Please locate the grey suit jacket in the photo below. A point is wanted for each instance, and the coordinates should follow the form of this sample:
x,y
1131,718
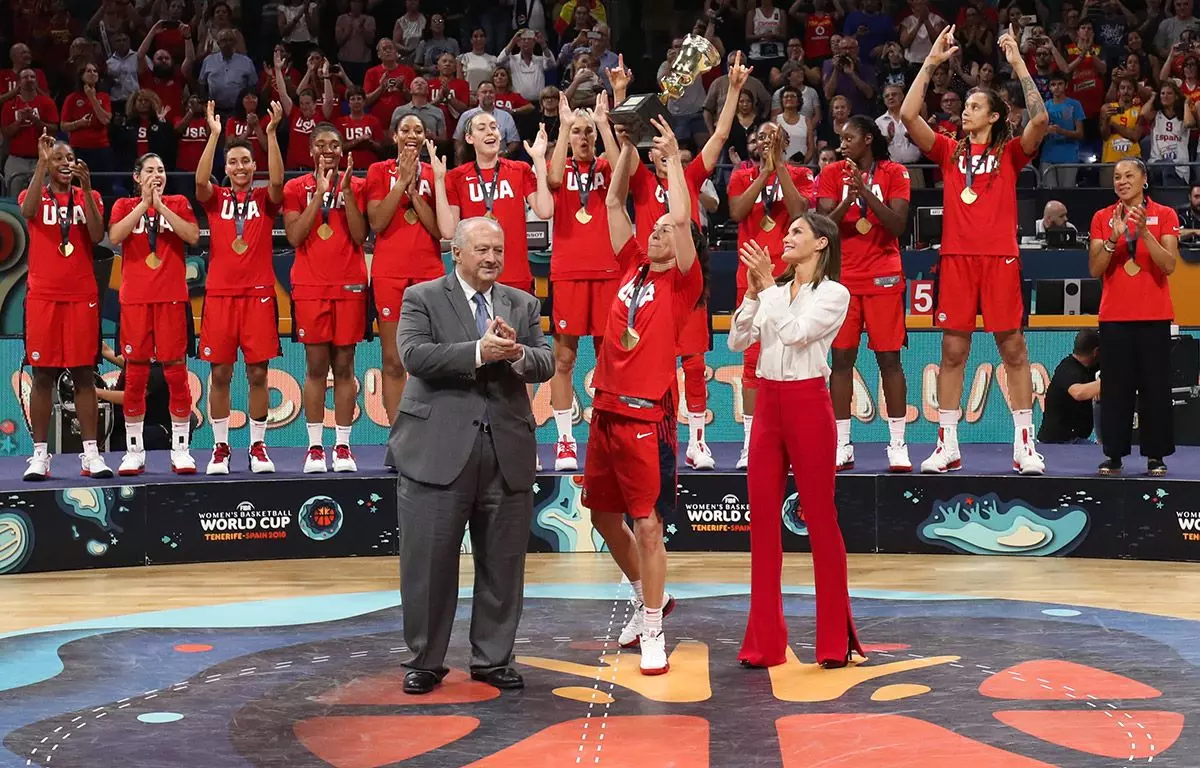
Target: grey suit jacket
x,y
446,396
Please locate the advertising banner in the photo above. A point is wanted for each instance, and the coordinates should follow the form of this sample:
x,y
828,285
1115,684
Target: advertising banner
x,y
72,529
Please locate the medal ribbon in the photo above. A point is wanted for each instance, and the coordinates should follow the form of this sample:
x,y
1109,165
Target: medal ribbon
x,y
326,204
638,288
585,188
64,219
666,197
862,203
489,193
768,195
151,225
1131,238
971,167
239,215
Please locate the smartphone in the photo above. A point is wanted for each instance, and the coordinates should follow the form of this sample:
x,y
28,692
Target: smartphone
x,y
171,24
1029,20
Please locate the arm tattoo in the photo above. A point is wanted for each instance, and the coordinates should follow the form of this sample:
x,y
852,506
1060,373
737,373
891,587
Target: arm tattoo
x,y
1033,98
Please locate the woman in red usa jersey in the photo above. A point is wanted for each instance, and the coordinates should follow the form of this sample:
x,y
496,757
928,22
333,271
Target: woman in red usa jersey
x,y
631,462
400,200
62,305
324,215
763,203
583,267
979,266
152,230
1134,248
795,318
239,303
867,195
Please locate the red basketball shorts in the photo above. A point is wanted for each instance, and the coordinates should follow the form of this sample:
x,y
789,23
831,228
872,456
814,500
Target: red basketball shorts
x,y
970,285
881,315
230,323
62,334
340,322
581,307
389,296
154,331
695,338
630,466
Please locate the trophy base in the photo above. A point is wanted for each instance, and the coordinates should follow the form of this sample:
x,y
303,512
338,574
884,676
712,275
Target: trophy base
x,y
635,113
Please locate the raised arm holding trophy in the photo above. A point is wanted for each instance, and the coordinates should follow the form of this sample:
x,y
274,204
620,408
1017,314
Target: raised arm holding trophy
x,y
696,56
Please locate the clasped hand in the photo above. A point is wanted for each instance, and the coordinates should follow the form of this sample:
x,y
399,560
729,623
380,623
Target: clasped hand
x,y
499,343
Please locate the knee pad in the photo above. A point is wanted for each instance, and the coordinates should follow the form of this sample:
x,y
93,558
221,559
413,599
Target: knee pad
x,y
179,395
137,378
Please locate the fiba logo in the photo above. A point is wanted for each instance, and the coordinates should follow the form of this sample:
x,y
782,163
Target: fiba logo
x,y
729,498
320,518
245,506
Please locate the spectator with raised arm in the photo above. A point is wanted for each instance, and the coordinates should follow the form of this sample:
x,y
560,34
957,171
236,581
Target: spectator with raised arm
x,y
528,60
160,75
220,18
1172,29
23,119
387,83
355,35
918,30
299,26
847,75
719,88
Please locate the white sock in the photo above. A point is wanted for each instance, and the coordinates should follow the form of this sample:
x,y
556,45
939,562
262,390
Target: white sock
x,y
747,423
896,430
343,436
843,431
948,421
653,617
637,590
1023,418
41,450
180,435
258,431
562,420
90,449
696,427
315,433
221,430
133,436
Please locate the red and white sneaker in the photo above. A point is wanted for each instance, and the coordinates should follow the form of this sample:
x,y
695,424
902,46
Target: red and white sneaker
x,y
897,455
845,457
567,459
260,462
219,463
314,461
654,654
182,462
1026,460
93,466
39,467
944,458
631,633
132,463
699,456
343,459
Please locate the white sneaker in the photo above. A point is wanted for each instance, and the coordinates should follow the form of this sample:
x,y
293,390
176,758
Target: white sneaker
x,y
314,461
38,469
845,457
567,459
538,459
743,458
631,634
343,459
1026,460
94,467
654,654
219,463
132,463
260,462
699,456
944,459
182,462
897,455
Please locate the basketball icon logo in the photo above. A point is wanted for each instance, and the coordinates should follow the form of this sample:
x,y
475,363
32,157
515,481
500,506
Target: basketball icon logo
x,y
320,518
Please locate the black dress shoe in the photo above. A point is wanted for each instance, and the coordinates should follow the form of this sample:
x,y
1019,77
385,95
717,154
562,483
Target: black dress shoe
x,y
504,678
1110,467
1156,468
418,681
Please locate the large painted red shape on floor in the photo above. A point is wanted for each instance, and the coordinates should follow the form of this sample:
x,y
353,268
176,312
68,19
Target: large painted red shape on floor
x,y
651,741
373,741
1052,680
1119,733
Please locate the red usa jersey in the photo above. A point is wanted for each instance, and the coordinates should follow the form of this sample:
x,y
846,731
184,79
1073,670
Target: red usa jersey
x,y
300,130
251,273
141,284
987,227
193,137
583,251
511,101
646,372
387,102
459,89
238,128
1145,295
750,228
650,197
516,182
869,261
324,268
355,129
52,276
405,249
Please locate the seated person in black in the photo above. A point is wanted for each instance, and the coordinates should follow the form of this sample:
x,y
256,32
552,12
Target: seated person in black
x,y
158,414
1068,415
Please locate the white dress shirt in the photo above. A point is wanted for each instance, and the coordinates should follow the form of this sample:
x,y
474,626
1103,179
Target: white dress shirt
x,y
470,292
795,335
528,78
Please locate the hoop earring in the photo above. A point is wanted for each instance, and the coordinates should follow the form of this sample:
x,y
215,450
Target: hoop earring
x,y
1145,185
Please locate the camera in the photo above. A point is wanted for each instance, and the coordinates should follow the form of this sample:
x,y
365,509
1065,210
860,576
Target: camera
x,y
171,24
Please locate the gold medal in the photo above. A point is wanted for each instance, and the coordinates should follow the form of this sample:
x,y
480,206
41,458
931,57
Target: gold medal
x,y
968,195
410,216
324,231
239,246
1132,268
582,216
767,223
492,216
153,261
630,338
66,249
863,226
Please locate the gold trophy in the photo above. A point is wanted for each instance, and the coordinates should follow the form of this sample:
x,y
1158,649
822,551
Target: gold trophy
x,y
695,57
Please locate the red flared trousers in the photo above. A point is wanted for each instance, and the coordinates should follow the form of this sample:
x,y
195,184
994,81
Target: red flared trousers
x,y
794,427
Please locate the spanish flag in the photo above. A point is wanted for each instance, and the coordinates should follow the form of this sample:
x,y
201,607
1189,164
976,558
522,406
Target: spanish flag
x,y
566,17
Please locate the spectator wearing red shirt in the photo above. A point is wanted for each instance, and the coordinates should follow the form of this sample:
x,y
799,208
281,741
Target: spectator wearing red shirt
x,y
386,84
1082,62
820,25
302,118
449,91
86,114
161,76
362,133
247,124
10,79
268,85
1134,248
170,36
22,120
506,98
320,79
191,131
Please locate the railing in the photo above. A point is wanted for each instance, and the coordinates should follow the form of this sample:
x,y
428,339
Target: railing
x,y
1080,175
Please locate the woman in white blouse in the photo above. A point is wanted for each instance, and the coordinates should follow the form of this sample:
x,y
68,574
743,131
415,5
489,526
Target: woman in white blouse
x,y
795,318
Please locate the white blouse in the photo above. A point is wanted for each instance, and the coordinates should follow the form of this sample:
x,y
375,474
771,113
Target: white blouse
x,y
795,336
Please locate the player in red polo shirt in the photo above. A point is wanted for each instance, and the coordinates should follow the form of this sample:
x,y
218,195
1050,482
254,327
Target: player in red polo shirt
x,y
867,195
631,462
400,209
584,273
979,267
386,84
239,302
325,219
763,203
151,229
62,315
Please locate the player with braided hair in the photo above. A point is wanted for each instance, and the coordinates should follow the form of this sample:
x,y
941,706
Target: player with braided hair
x,y
979,267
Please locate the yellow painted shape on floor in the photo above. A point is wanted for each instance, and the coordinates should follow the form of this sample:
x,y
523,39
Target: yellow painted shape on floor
x,y
899,691
793,681
584,695
686,682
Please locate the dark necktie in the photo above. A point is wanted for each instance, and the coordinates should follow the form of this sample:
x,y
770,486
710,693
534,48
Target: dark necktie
x,y
481,314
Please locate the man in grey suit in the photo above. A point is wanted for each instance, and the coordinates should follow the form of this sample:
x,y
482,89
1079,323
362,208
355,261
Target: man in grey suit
x,y
465,448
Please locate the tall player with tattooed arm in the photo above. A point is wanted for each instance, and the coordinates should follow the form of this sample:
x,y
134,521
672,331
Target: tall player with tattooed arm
x,y
979,267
